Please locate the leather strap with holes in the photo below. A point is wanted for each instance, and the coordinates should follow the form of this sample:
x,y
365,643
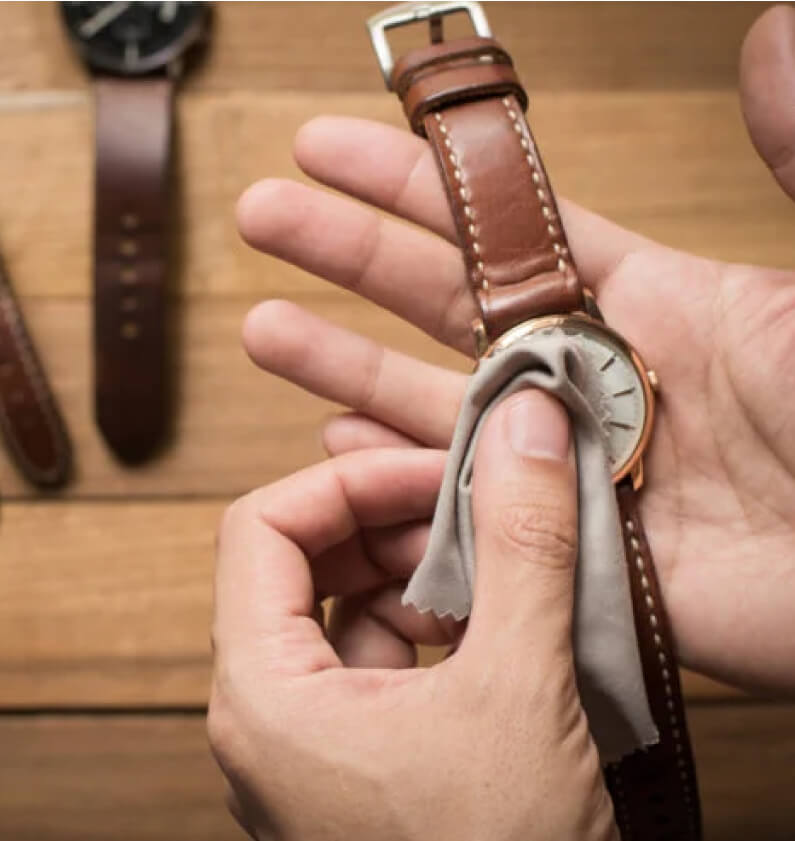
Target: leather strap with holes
x,y
464,96
132,214
29,417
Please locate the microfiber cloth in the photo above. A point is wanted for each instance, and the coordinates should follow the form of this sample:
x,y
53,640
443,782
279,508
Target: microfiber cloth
x,y
607,659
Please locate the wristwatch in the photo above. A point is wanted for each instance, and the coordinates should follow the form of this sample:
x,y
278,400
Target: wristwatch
x,y
136,52
29,417
464,96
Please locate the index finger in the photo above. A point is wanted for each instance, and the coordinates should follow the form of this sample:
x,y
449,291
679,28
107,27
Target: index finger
x,y
396,171
264,593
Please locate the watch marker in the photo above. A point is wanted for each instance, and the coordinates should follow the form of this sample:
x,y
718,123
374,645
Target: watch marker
x,y
608,363
621,425
625,391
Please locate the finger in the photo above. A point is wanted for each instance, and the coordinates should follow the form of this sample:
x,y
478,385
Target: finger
x,y
352,431
525,518
264,596
419,399
395,170
374,630
767,91
370,559
355,247
235,808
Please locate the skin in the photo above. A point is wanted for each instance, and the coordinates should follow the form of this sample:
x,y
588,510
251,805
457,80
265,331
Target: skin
x,y
312,750
371,748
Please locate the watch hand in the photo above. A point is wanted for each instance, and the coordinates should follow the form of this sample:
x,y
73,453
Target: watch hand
x,y
89,28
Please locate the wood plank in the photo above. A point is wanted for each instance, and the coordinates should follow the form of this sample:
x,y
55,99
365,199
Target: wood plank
x,y
150,778
236,427
104,604
145,778
109,604
324,46
745,755
675,166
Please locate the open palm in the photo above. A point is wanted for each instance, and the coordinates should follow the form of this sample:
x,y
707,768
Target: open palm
x,y
719,499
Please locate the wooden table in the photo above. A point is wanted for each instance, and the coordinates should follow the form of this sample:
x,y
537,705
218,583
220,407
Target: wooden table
x,y
105,589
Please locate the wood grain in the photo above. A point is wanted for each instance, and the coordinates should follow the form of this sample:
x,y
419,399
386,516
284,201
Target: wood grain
x,y
105,592
324,46
236,427
677,167
109,604
150,778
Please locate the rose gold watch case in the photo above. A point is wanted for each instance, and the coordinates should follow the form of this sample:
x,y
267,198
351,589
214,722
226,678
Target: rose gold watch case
x,y
632,466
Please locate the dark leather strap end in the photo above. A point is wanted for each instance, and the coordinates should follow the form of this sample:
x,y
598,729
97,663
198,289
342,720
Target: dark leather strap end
x,y
132,216
451,73
29,418
655,791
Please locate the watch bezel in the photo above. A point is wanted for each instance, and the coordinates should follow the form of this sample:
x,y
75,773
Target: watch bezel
x,y
633,465
159,60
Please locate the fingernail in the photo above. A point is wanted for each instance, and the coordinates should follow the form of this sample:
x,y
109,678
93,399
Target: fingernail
x,y
538,426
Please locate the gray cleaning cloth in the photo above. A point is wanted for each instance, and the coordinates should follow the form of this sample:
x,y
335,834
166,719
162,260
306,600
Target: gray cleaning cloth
x,y
607,660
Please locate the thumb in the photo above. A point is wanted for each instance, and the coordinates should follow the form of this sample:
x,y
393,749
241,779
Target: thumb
x,y
767,91
525,516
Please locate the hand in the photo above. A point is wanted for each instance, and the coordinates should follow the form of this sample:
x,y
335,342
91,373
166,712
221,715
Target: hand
x,y
719,503
490,743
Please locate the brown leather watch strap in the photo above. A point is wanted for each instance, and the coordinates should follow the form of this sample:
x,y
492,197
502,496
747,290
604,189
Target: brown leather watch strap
x,y
132,213
654,791
508,223
465,98
29,417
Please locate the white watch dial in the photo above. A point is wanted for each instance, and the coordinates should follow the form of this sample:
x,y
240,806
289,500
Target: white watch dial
x,y
622,389
624,395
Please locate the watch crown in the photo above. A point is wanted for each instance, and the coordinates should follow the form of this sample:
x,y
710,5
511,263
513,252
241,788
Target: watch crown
x,y
654,380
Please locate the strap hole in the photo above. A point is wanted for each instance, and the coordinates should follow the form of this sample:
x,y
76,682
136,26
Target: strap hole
x,y
129,303
130,221
128,247
130,330
128,276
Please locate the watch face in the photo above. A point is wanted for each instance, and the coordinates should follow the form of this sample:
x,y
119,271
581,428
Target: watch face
x,y
133,38
625,395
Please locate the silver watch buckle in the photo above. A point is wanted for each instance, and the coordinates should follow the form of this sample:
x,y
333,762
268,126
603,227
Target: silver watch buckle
x,y
405,13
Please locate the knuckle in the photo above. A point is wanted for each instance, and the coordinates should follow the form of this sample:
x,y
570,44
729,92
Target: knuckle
x,y
538,530
230,518
220,725
250,506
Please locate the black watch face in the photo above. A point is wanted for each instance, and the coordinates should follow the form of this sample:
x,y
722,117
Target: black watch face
x,y
133,38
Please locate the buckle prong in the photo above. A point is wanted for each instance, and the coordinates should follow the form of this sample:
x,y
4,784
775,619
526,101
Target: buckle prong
x,y
406,13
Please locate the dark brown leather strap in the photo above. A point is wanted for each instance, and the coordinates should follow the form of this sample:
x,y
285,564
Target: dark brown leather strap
x,y
132,212
654,791
465,97
29,417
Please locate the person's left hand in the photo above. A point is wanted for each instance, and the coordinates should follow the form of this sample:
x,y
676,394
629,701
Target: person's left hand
x,y
717,503
490,743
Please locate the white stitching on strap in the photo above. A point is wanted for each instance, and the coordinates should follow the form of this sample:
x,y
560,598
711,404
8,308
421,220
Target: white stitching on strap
x,y
469,211
535,174
673,722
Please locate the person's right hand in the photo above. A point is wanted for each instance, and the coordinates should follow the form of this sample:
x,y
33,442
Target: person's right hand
x,y
719,503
